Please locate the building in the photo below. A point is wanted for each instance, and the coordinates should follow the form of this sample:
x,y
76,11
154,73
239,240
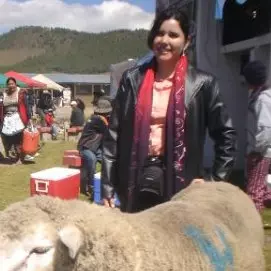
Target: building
x,y
116,71
80,84
224,55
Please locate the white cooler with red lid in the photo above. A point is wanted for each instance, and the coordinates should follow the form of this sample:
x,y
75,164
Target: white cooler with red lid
x,y
58,182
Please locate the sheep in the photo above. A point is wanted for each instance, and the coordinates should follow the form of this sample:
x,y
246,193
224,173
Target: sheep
x,y
227,198
190,232
234,209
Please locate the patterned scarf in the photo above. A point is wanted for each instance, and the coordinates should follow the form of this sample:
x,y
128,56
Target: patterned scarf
x,y
175,151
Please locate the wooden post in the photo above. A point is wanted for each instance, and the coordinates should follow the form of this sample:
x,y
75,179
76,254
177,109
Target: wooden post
x,y
92,92
74,91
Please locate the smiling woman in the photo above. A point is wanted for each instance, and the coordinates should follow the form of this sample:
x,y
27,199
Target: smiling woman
x,y
154,147
190,9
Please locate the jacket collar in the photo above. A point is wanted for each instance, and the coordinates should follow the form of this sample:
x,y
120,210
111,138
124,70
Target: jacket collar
x,y
193,83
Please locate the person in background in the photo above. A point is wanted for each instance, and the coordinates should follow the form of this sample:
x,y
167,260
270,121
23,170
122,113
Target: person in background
x,y
77,116
97,95
45,109
45,103
80,104
15,114
31,100
154,146
90,143
258,134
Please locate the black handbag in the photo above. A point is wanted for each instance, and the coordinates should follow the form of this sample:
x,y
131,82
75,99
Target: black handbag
x,y
153,176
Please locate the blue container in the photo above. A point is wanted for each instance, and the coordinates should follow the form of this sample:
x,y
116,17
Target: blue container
x,y
97,191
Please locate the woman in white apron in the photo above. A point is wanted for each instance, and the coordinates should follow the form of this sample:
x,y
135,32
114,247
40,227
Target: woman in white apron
x,y
14,116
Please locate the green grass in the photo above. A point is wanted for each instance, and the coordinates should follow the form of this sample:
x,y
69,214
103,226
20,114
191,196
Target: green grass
x,y
267,251
267,219
14,182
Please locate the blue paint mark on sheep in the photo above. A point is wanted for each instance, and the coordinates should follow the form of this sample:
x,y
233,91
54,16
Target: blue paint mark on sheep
x,y
220,260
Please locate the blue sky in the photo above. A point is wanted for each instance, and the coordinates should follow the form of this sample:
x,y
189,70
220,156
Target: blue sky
x,y
148,5
82,15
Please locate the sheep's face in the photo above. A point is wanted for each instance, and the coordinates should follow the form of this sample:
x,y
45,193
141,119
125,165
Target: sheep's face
x,y
29,251
40,248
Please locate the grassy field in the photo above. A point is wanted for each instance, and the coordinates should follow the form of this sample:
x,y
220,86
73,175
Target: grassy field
x,y
14,182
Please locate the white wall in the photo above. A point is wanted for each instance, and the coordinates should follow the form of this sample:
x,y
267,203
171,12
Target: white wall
x,y
226,68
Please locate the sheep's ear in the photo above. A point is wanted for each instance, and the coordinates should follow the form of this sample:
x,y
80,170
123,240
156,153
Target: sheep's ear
x,y
72,238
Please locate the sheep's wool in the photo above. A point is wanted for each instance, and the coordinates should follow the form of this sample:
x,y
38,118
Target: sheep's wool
x,y
211,226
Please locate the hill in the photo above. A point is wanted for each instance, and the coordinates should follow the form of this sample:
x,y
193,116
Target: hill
x,y
40,50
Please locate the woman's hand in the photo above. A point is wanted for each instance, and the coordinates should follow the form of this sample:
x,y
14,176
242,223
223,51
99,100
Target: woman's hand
x,y
198,181
109,203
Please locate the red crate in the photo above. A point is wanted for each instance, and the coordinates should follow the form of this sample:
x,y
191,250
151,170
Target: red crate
x,y
72,160
44,130
71,152
58,182
75,129
72,130
79,128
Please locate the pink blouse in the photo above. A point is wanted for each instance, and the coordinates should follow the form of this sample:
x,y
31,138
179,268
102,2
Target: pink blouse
x,y
161,94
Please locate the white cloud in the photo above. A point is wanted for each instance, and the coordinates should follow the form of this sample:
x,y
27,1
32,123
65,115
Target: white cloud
x,y
109,15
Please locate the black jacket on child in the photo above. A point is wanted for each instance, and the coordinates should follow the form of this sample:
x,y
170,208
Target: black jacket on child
x,y
77,117
92,134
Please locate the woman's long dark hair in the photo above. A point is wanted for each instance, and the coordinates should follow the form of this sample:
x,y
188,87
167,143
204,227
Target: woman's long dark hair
x,y
11,79
170,13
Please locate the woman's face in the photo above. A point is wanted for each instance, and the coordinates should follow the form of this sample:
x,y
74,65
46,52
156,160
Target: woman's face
x,y
11,85
169,42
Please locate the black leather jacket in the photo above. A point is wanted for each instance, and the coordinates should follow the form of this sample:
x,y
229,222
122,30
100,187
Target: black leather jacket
x,y
204,108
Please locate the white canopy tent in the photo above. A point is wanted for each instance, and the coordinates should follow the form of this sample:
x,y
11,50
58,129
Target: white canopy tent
x,y
50,83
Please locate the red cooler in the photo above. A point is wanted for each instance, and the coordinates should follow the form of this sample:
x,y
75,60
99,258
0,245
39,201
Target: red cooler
x,y
58,182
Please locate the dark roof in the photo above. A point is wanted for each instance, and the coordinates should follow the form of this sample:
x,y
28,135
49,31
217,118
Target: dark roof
x,y
76,78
